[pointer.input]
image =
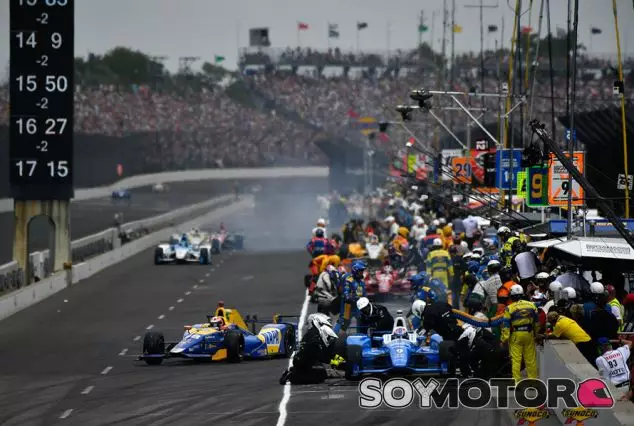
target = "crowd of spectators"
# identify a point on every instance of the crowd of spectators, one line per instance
(211, 129)
(207, 129)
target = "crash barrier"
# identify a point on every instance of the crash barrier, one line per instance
(40, 263)
(34, 293)
(562, 359)
(6, 204)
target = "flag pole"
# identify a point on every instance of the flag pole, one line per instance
(328, 34)
(623, 125)
(358, 30)
(298, 34)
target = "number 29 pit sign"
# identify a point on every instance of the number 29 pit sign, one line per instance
(558, 185)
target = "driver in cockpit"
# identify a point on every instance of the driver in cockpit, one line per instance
(217, 322)
(184, 240)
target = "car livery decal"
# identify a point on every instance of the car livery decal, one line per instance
(272, 337)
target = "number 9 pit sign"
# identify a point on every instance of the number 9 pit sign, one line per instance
(558, 185)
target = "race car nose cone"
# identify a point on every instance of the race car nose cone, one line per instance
(399, 355)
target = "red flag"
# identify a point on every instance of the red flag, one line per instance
(302, 26)
(353, 114)
(527, 30)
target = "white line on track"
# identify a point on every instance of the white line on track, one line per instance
(106, 370)
(179, 300)
(87, 390)
(212, 269)
(207, 274)
(281, 420)
(66, 413)
(161, 316)
(195, 286)
(187, 293)
(171, 308)
(149, 327)
(123, 352)
(137, 338)
(201, 281)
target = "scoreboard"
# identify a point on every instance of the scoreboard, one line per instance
(41, 99)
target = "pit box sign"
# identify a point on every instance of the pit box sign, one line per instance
(537, 186)
(461, 169)
(620, 183)
(521, 183)
(447, 156)
(558, 185)
(505, 175)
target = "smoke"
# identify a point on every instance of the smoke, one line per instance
(284, 214)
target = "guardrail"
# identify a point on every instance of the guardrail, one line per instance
(6, 204)
(40, 263)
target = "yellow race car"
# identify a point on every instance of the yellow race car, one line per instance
(225, 336)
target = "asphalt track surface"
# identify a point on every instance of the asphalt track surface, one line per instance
(92, 216)
(70, 359)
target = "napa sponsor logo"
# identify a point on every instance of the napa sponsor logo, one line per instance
(272, 338)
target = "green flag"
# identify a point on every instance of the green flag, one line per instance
(219, 59)
(423, 28)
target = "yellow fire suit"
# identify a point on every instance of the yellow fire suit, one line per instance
(615, 302)
(507, 250)
(519, 329)
(439, 266)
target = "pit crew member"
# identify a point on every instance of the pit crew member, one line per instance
(373, 316)
(352, 287)
(315, 350)
(518, 331)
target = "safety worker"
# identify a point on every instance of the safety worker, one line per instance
(315, 349)
(374, 316)
(352, 287)
(617, 308)
(321, 224)
(504, 292)
(399, 247)
(320, 245)
(612, 364)
(506, 252)
(488, 289)
(567, 328)
(599, 314)
(419, 230)
(447, 237)
(326, 293)
(438, 263)
(518, 331)
(392, 227)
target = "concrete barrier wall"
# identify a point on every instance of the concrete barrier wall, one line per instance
(562, 359)
(28, 296)
(6, 204)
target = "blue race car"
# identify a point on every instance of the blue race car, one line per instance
(224, 337)
(121, 194)
(397, 352)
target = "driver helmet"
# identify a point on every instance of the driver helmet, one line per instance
(184, 240)
(364, 306)
(319, 233)
(217, 322)
(321, 223)
(400, 332)
(569, 293)
(503, 231)
(403, 232)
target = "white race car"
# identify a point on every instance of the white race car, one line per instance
(192, 247)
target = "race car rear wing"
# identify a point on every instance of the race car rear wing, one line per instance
(252, 320)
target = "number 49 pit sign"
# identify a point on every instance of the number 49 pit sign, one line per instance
(558, 185)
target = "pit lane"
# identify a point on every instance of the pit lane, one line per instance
(70, 359)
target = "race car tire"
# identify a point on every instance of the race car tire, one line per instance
(153, 344)
(446, 353)
(289, 342)
(204, 257)
(158, 255)
(215, 247)
(354, 358)
(234, 343)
